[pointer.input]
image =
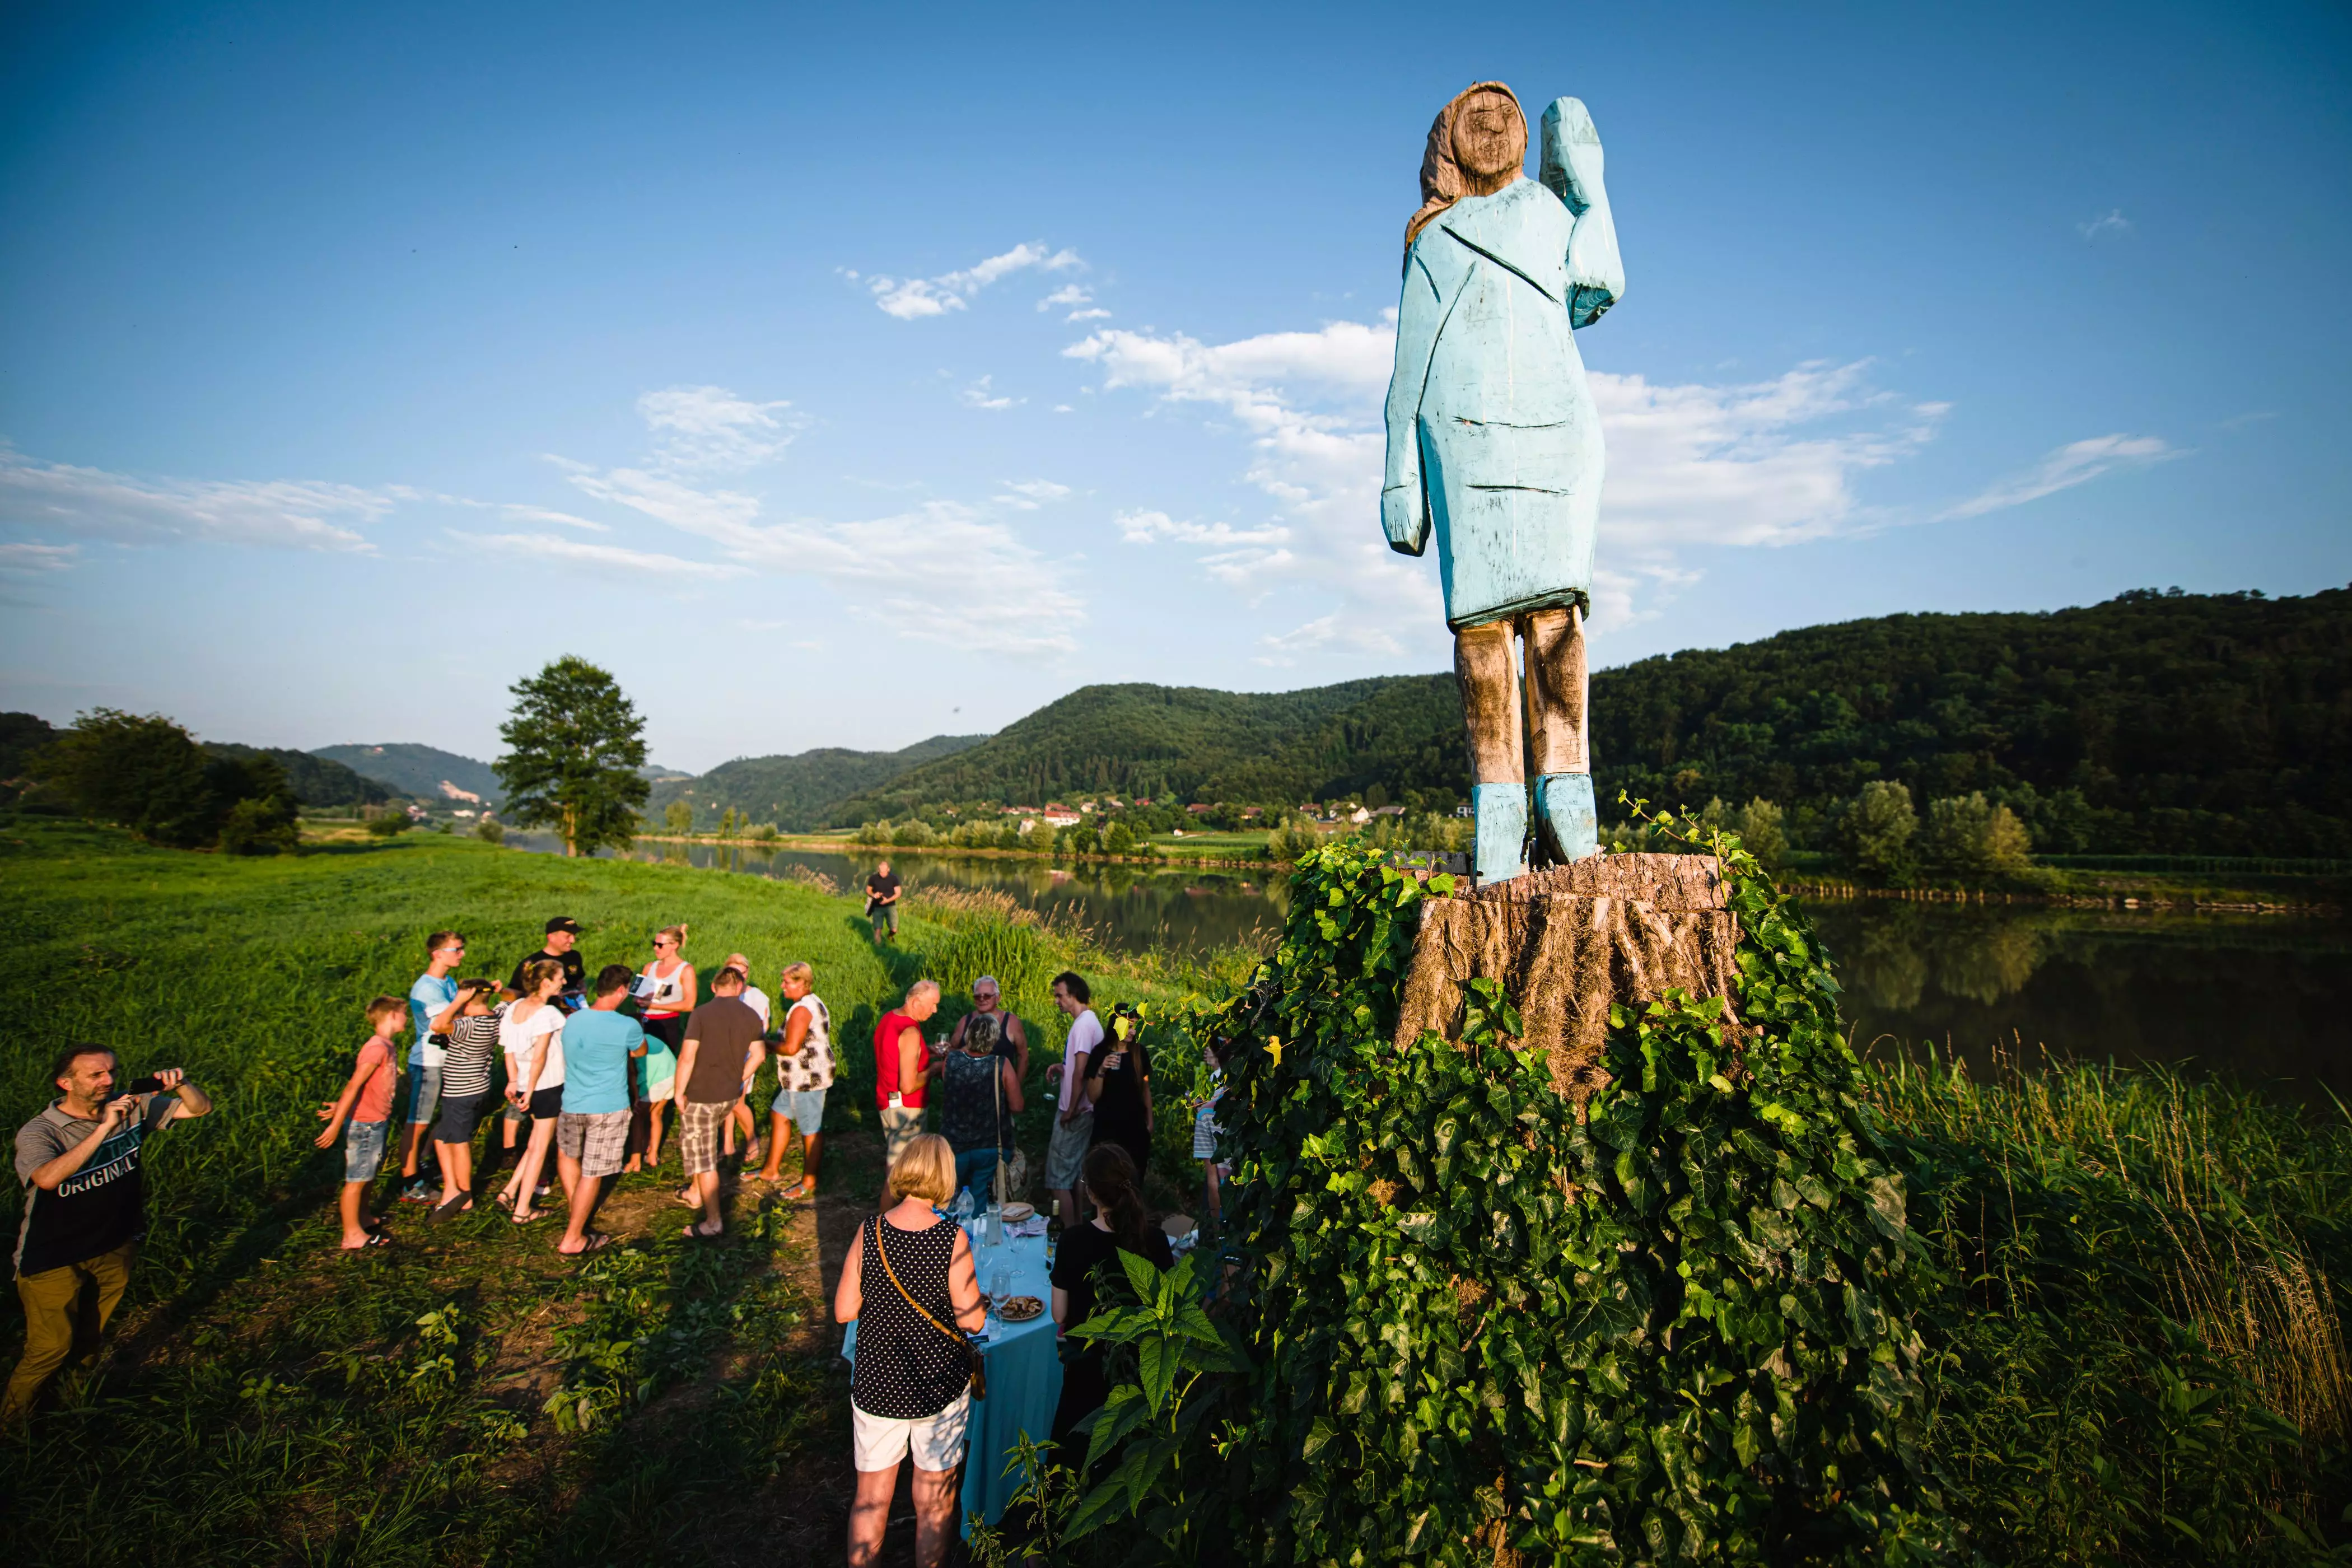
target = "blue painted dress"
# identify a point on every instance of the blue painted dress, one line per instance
(1493, 439)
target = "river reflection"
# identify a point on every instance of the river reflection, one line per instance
(1126, 908)
(2259, 995)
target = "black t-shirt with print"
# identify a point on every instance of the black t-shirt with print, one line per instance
(880, 887)
(96, 1209)
(575, 970)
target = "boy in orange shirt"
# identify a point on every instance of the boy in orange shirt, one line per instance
(367, 1100)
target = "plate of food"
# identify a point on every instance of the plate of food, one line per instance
(1019, 1309)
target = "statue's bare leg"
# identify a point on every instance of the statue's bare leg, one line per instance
(1567, 825)
(1486, 669)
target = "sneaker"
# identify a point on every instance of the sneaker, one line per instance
(420, 1191)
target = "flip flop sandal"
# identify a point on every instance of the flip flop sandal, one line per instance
(796, 1192)
(462, 1204)
(594, 1241)
(531, 1218)
(375, 1238)
(696, 1233)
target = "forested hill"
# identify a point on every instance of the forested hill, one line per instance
(2162, 722)
(795, 792)
(1277, 748)
(2175, 723)
(419, 771)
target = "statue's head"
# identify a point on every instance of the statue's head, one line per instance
(1478, 145)
(1489, 138)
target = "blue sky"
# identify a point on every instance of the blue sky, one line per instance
(843, 376)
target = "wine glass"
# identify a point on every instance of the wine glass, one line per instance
(1000, 1285)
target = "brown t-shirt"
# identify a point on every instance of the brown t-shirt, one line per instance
(725, 1028)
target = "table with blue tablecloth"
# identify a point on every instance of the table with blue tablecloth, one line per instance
(1025, 1378)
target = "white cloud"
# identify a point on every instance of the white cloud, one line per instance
(1067, 294)
(1690, 466)
(286, 514)
(1028, 495)
(709, 429)
(554, 549)
(559, 519)
(906, 566)
(2075, 463)
(1097, 314)
(979, 395)
(30, 558)
(2111, 222)
(911, 299)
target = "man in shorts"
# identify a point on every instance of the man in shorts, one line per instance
(719, 1036)
(1073, 1122)
(592, 1135)
(420, 1096)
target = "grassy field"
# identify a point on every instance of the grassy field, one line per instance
(2139, 1355)
(267, 1399)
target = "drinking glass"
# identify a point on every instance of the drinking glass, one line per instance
(1000, 1285)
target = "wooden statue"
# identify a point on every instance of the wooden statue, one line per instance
(1493, 441)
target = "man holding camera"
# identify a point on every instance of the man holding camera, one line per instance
(85, 1211)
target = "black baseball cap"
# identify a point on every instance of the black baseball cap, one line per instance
(563, 923)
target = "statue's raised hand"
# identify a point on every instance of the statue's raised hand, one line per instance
(1570, 168)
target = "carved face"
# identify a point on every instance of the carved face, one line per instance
(1490, 137)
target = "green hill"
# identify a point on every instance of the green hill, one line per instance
(2169, 724)
(1282, 747)
(316, 780)
(795, 791)
(2156, 722)
(419, 771)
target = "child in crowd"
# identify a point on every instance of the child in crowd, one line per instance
(1204, 1136)
(367, 1100)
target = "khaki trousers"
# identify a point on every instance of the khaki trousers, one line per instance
(65, 1310)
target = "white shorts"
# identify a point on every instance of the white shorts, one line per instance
(936, 1441)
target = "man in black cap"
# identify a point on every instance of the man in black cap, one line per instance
(562, 933)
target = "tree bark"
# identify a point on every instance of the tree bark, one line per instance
(1567, 942)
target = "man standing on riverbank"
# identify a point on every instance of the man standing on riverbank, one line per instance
(882, 901)
(1074, 1124)
(85, 1208)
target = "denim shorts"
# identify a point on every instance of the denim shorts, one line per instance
(422, 1092)
(805, 1106)
(363, 1146)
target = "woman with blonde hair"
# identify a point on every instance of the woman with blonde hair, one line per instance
(667, 991)
(908, 1286)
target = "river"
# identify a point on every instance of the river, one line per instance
(2260, 996)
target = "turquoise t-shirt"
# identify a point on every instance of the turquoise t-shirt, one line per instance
(596, 1047)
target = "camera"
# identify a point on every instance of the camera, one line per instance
(146, 1084)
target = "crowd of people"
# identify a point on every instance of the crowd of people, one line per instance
(583, 1070)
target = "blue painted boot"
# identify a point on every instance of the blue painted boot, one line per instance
(1565, 816)
(1502, 811)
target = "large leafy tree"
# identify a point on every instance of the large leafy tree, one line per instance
(148, 774)
(574, 746)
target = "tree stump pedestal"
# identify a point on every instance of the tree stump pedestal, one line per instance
(1568, 942)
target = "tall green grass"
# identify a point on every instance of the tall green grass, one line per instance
(2139, 1352)
(268, 1400)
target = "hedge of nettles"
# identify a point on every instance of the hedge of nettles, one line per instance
(1484, 1324)
(1672, 1325)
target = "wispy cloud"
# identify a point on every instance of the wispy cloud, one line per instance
(285, 514)
(1072, 294)
(709, 429)
(1028, 495)
(2108, 225)
(912, 299)
(2077, 462)
(554, 549)
(981, 394)
(1239, 557)
(35, 558)
(519, 513)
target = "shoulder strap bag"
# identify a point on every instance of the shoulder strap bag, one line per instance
(972, 1359)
